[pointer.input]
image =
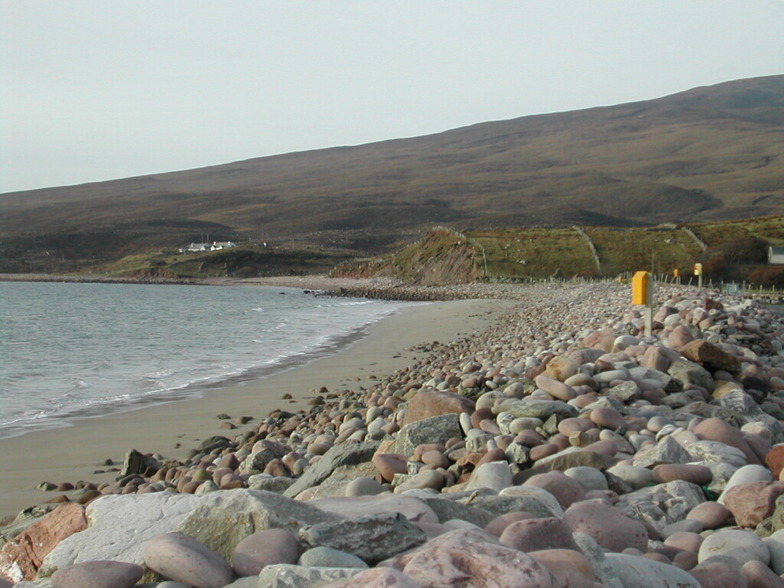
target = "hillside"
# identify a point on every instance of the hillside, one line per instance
(711, 153)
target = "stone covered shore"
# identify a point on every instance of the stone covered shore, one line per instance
(559, 448)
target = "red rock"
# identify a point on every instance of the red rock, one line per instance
(98, 574)
(712, 515)
(468, 557)
(696, 474)
(715, 429)
(271, 546)
(571, 568)
(538, 534)
(389, 464)
(430, 403)
(710, 356)
(435, 458)
(25, 553)
(610, 528)
(752, 503)
(565, 489)
(775, 460)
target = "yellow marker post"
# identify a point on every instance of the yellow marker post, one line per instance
(642, 294)
(698, 273)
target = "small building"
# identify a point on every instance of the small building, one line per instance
(776, 255)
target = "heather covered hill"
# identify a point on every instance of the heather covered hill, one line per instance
(711, 153)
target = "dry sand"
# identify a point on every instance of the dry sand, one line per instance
(74, 453)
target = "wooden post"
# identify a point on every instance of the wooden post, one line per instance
(642, 293)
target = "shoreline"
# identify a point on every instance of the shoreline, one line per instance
(172, 428)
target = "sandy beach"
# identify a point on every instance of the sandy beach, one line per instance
(76, 452)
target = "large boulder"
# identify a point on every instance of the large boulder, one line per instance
(340, 455)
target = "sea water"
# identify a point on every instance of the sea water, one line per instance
(80, 349)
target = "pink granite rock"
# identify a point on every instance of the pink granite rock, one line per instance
(23, 555)
(271, 546)
(98, 574)
(609, 527)
(775, 459)
(752, 503)
(710, 356)
(431, 403)
(685, 541)
(181, 558)
(538, 534)
(571, 568)
(471, 558)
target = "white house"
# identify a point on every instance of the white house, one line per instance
(776, 255)
(214, 246)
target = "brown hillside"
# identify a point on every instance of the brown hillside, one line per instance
(712, 153)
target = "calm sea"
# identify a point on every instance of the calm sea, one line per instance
(72, 349)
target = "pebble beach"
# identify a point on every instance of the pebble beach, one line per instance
(510, 436)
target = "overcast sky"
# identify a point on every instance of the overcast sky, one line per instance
(95, 90)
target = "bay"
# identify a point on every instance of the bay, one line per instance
(81, 349)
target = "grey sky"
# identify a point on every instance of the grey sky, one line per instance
(95, 89)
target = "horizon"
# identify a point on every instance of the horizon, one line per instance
(114, 95)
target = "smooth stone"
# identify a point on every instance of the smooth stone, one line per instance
(719, 572)
(327, 557)
(566, 490)
(494, 475)
(696, 474)
(389, 464)
(588, 477)
(742, 546)
(98, 574)
(685, 540)
(608, 526)
(499, 523)
(758, 575)
(775, 545)
(183, 559)
(640, 572)
(363, 486)
(571, 568)
(271, 546)
(715, 429)
(609, 418)
(712, 515)
(684, 526)
(635, 476)
(537, 534)
(358, 506)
